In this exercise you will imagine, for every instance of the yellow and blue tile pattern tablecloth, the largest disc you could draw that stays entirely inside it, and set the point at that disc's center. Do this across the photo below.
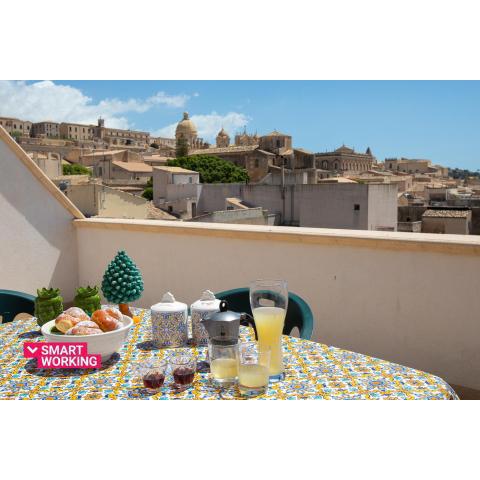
(313, 371)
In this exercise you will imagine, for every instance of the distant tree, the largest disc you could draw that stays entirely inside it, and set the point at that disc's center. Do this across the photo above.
(76, 169)
(181, 149)
(148, 192)
(212, 169)
(155, 145)
(461, 173)
(16, 135)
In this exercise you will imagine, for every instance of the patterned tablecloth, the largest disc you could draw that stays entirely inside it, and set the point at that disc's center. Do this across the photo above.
(313, 371)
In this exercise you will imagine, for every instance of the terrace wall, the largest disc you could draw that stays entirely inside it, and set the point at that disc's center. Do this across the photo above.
(406, 297)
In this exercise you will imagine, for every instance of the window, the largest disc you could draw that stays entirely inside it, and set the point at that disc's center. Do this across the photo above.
(356, 207)
(170, 208)
(278, 143)
(257, 163)
(190, 180)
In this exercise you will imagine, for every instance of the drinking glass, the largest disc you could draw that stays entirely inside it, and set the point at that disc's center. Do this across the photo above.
(253, 369)
(151, 373)
(183, 367)
(223, 354)
(269, 302)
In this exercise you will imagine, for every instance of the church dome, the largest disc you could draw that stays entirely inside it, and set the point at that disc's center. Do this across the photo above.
(186, 127)
(222, 133)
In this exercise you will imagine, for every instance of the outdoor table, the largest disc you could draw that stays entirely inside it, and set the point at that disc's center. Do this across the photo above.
(313, 371)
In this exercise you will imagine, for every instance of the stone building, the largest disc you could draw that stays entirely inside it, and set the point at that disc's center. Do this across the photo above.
(176, 190)
(245, 139)
(222, 140)
(45, 129)
(117, 136)
(447, 221)
(187, 130)
(262, 155)
(412, 166)
(406, 165)
(77, 131)
(345, 160)
(16, 125)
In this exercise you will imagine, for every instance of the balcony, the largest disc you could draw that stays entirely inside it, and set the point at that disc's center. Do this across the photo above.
(406, 297)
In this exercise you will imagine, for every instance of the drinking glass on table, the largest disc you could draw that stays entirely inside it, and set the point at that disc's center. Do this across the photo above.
(253, 369)
(183, 366)
(269, 302)
(223, 354)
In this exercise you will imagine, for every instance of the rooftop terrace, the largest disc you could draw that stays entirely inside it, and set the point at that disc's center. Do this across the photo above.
(405, 297)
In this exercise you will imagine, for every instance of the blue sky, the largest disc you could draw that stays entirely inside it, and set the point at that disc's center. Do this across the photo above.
(438, 120)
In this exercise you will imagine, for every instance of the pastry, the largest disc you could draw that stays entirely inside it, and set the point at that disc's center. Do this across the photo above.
(106, 322)
(115, 313)
(77, 313)
(79, 330)
(86, 323)
(64, 322)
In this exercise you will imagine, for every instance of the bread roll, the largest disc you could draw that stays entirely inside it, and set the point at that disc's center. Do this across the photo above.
(83, 331)
(105, 321)
(115, 313)
(64, 322)
(86, 323)
(77, 313)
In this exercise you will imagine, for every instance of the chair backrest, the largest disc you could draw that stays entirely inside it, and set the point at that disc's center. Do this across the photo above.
(299, 313)
(12, 303)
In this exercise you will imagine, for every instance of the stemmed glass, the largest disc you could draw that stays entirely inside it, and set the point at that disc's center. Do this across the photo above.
(269, 303)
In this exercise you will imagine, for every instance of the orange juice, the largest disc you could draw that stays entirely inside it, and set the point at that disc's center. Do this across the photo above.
(269, 322)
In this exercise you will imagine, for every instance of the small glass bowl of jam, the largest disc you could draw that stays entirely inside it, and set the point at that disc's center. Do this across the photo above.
(151, 374)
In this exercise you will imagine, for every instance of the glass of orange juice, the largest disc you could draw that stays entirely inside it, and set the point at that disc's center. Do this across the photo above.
(269, 302)
(253, 369)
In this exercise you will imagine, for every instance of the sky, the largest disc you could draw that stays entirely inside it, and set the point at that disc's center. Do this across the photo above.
(438, 120)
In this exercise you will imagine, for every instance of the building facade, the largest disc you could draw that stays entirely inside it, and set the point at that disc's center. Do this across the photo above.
(223, 139)
(45, 129)
(117, 136)
(406, 165)
(345, 160)
(77, 131)
(186, 130)
(15, 125)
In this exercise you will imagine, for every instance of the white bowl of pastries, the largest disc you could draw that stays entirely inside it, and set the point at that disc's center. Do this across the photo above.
(104, 332)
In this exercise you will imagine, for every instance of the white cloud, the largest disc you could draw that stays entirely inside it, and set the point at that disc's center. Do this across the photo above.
(209, 125)
(46, 100)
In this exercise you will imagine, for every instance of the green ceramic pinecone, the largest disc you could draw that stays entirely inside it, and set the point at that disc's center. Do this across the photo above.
(48, 305)
(88, 299)
(122, 281)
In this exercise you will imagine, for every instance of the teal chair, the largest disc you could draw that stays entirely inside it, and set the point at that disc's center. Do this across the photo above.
(299, 313)
(12, 303)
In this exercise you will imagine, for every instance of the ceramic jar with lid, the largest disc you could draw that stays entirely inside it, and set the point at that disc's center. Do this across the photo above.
(169, 322)
(206, 305)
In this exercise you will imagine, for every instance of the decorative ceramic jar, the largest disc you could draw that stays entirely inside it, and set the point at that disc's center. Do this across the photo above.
(203, 307)
(169, 322)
